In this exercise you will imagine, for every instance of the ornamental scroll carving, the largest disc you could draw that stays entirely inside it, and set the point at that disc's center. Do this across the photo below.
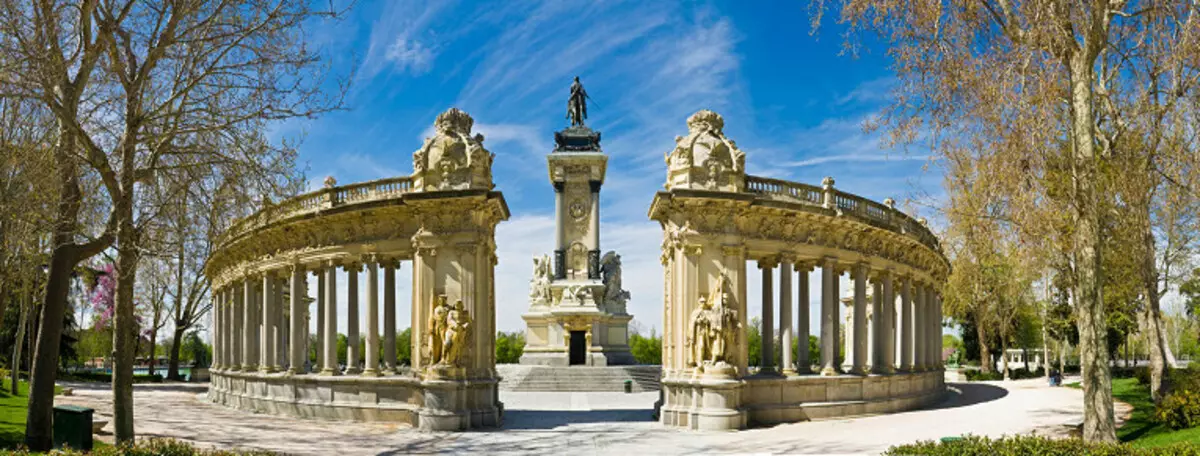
(715, 327)
(705, 159)
(453, 158)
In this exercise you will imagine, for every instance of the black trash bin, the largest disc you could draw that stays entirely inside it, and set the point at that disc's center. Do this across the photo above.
(73, 427)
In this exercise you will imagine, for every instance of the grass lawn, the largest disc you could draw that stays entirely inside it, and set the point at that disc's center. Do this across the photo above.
(1141, 429)
(12, 415)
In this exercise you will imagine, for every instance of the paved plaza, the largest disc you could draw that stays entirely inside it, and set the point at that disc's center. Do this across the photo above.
(594, 423)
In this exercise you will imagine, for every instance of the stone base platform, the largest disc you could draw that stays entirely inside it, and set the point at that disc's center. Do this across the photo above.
(714, 404)
(433, 405)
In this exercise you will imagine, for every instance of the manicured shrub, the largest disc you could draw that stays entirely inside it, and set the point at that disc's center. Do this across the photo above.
(106, 378)
(1180, 379)
(1142, 374)
(1035, 446)
(150, 447)
(1022, 373)
(975, 375)
(1179, 410)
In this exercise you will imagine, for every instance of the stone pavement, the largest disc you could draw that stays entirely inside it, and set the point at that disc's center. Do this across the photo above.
(595, 423)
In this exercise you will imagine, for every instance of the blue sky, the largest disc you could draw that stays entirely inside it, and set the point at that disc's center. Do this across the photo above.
(792, 102)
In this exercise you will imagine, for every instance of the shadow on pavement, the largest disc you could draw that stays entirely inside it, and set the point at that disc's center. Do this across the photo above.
(968, 394)
(550, 419)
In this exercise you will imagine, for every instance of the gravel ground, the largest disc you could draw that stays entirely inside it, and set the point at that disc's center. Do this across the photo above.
(595, 423)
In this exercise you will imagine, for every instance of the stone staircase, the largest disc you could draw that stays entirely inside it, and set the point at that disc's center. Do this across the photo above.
(578, 378)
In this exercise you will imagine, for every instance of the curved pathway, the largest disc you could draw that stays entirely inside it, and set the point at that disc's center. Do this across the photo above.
(607, 423)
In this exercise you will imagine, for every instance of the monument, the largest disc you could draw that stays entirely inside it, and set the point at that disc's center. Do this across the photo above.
(577, 305)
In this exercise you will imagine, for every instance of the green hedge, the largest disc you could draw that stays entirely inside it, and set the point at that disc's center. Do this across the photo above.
(1035, 446)
(150, 447)
(107, 378)
(974, 375)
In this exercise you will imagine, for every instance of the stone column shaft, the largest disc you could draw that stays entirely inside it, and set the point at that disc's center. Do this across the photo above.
(767, 364)
(389, 316)
(372, 348)
(560, 234)
(878, 329)
(299, 330)
(353, 356)
(906, 325)
(249, 332)
(267, 357)
(215, 332)
(329, 366)
(236, 335)
(594, 226)
(829, 318)
(785, 317)
(803, 363)
(919, 335)
(889, 324)
(319, 355)
(859, 365)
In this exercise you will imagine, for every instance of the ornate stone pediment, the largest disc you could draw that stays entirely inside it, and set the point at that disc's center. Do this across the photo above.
(705, 159)
(453, 159)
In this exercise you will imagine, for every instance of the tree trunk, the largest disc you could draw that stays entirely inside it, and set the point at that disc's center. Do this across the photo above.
(173, 363)
(985, 358)
(1098, 421)
(20, 342)
(1004, 356)
(125, 329)
(1025, 356)
(65, 255)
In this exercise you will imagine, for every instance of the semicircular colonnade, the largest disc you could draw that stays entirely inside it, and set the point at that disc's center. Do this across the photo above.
(716, 219)
(442, 219)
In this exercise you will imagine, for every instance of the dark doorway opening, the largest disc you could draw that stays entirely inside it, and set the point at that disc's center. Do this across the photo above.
(578, 347)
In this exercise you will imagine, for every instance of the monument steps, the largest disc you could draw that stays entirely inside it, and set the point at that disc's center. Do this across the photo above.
(578, 378)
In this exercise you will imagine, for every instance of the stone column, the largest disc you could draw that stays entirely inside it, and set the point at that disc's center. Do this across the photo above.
(237, 318)
(329, 365)
(889, 323)
(785, 317)
(879, 328)
(594, 254)
(281, 327)
(299, 330)
(937, 333)
(215, 329)
(829, 318)
(859, 366)
(267, 357)
(319, 358)
(560, 234)
(803, 363)
(906, 325)
(389, 315)
(353, 356)
(919, 335)
(767, 364)
(249, 334)
(934, 343)
(372, 348)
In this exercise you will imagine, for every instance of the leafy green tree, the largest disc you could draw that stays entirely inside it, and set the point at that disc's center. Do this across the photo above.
(509, 347)
(646, 350)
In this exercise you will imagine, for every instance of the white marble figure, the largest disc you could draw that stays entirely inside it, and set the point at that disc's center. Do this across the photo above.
(539, 285)
(615, 297)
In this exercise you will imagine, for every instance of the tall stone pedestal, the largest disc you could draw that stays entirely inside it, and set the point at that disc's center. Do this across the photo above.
(577, 306)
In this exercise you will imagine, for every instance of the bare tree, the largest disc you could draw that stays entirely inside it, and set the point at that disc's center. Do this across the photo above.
(1033, 78)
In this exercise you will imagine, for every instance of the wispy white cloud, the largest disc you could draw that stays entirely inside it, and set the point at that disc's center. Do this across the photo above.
(410, 55)
(859, 158)
(401, 38)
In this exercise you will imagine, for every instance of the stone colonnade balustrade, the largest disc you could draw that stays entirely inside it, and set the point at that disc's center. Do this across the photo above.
(441, 220)
(715, 219)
